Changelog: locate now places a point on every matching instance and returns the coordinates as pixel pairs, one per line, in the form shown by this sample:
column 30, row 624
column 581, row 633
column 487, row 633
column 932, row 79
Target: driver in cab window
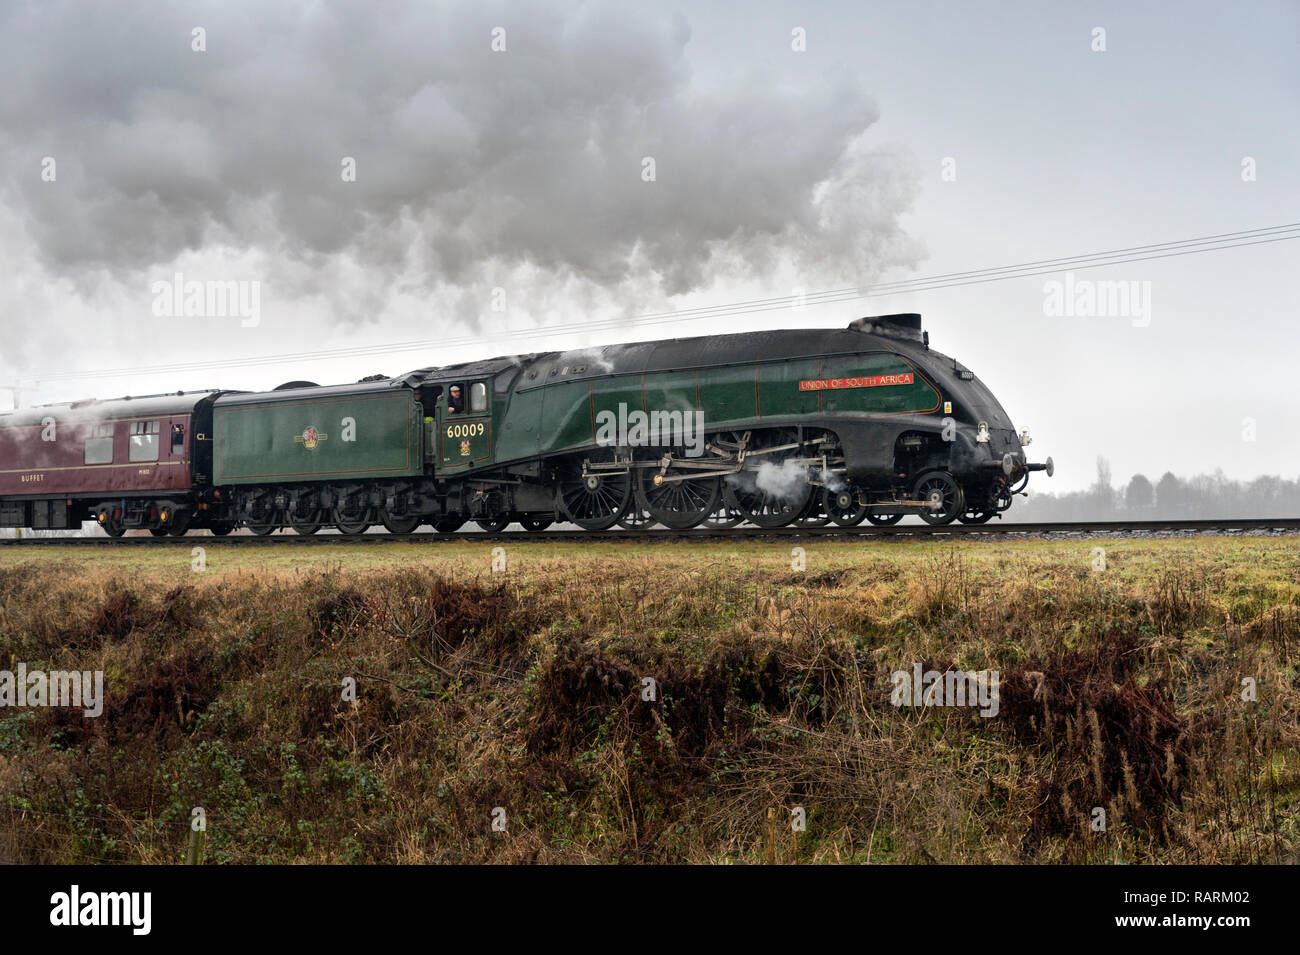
column 455, row 403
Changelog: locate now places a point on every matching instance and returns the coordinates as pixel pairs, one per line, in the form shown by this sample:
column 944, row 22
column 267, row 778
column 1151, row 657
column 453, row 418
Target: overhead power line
column 1093, row 260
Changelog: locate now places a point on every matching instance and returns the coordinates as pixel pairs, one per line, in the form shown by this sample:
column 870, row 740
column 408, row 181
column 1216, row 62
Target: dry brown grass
column 1120, row 689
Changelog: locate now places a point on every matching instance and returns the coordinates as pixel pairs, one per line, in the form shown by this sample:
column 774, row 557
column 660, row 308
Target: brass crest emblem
column 309, row 438
column 464, row 449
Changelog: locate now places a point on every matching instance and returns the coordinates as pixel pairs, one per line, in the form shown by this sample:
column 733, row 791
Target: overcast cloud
column 475, row 168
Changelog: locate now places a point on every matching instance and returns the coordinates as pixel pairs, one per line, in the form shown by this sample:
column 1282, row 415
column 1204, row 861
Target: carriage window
column 144, row 441
column 178, row 438
column 478, row 397
column 99, row 444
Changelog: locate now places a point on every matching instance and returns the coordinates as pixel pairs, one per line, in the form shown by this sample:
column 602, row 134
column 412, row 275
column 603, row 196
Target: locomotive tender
column 771, row 428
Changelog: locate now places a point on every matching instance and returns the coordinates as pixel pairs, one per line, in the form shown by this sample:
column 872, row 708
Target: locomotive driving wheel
column 494, row 525
column 766, row 505
column 769, row 492
column 942, row 494
column 595, row 500
column 976, row 517
column 535, row 522
column 685, row 501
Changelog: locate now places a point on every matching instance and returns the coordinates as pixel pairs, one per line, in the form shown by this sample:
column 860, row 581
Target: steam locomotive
column 769, row 428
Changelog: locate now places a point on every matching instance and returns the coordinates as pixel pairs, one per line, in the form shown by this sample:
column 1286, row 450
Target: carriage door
column 465, row 426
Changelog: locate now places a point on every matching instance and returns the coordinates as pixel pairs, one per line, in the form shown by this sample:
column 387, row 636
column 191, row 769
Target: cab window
column 144, row 441
column 455, row 398
column 99, row 444
column 478, row 397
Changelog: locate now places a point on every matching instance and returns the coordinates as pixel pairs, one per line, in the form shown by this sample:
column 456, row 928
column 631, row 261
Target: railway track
column 661, row 535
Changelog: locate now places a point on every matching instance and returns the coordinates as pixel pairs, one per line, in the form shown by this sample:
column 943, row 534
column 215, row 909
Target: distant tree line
column 1206, row 496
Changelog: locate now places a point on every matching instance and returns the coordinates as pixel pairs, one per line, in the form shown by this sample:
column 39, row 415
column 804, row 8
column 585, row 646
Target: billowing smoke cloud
column 475, row 169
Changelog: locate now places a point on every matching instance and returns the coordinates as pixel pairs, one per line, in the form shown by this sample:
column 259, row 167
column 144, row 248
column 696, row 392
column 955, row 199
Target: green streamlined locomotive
column 771, row 428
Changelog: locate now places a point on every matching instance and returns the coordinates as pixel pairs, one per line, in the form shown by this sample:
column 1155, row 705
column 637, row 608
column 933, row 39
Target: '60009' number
column 473, row 430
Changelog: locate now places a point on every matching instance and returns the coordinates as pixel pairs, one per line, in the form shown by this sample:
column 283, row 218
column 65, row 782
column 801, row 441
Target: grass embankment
column 522, row 690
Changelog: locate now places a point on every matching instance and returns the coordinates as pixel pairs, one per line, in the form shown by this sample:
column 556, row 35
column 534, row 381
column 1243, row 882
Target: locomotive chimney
column 904, row 325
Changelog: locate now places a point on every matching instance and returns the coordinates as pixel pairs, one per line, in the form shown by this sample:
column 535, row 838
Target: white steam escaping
column 592, row 358
column 783, row 482
column 834, row 481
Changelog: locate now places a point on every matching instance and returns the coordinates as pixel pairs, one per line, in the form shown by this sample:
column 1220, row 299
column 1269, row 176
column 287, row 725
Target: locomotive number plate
column 471, row 430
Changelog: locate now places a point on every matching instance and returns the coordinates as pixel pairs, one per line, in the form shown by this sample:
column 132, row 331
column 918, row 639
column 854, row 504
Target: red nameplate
column 871, row 381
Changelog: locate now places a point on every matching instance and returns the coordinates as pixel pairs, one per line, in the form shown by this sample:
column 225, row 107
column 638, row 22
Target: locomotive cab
column 463, row 425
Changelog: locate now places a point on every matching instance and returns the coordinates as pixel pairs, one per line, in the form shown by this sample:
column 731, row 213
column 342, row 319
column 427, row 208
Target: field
column 657, row 703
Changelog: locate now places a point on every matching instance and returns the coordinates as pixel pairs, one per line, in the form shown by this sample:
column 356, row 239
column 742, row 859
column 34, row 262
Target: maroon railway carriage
column 125, row 463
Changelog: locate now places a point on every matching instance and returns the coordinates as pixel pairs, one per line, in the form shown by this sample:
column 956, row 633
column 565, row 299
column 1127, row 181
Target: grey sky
column 774, row 170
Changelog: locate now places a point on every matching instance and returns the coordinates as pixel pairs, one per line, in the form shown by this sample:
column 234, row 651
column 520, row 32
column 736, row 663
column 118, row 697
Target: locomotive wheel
column 945, row 497
column 762, row 508
column 814, row 513
column 724, row 517
column 977, row 517
column 352, row 519
column 308, row 523
column 221, row 528
column 534, row 523
column 635, row 519
column 399, row 524
column 263, row 530
column 884, row 520
column 844, row 506
column 158, row 531
column 594, row 502
column 677, row 504
column 448, row 525
column 263, row 516
column 496, row 525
